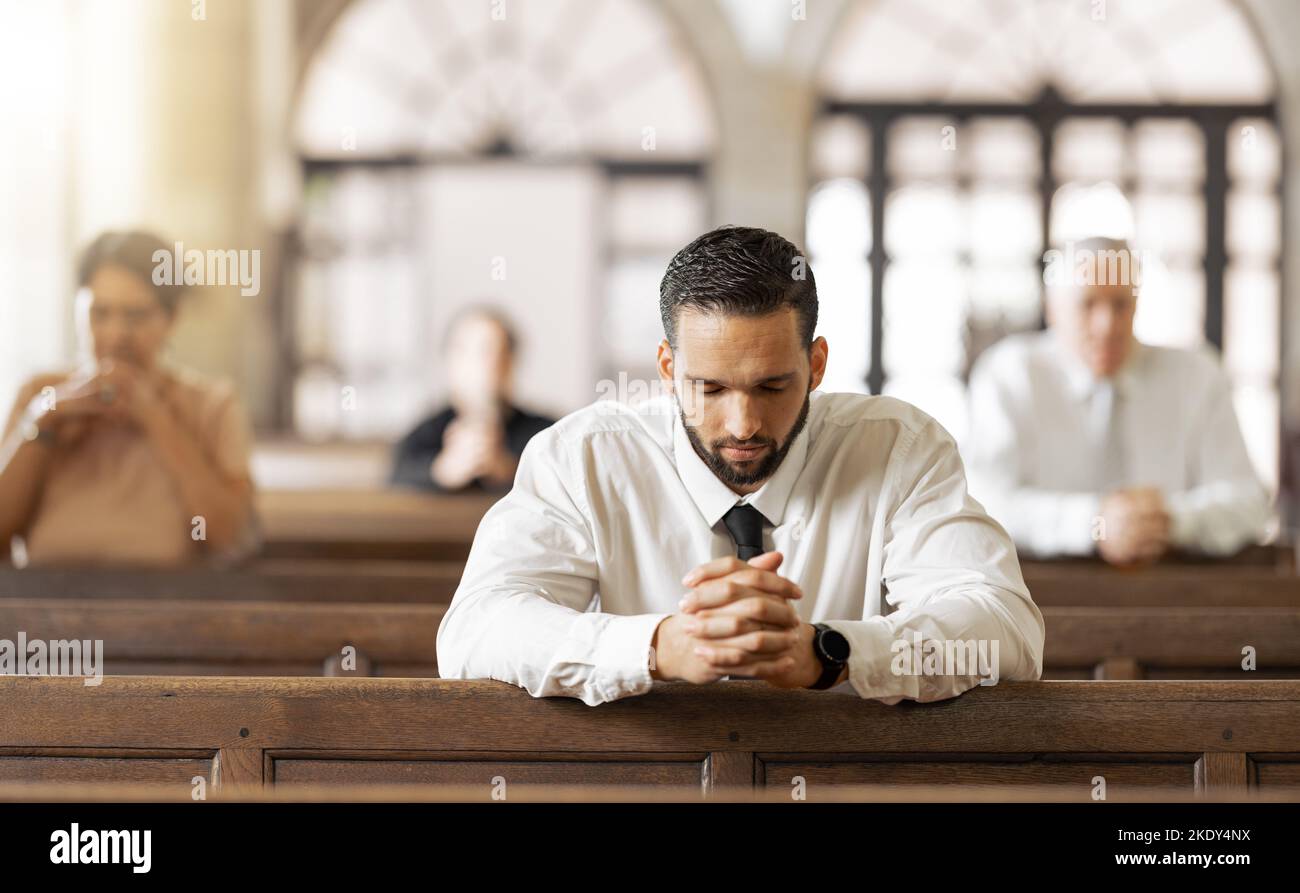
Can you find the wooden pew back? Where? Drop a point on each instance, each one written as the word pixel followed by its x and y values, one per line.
pixel 233 638
pixel 1171 643
pixel 368 524
pixel 291 621
pixel 289 581
pixel 1079 586
pixel 1204 736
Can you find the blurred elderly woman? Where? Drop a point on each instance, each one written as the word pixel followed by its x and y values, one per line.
pixel 126 459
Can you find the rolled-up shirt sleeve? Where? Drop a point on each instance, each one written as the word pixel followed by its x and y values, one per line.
pixel 953 579
pixel 520 614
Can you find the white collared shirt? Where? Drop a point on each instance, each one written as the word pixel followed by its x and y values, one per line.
pixel 1033 440
pixel 571 572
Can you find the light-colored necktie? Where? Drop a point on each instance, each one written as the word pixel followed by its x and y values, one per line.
pixel 1108 416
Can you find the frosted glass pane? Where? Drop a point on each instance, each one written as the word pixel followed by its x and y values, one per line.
pixel 839 220
pixel 1000 148
pixel 1139 50
pixel 1089 149
pixel 1004 226
pixel 1012 295
pixel 342 111
pixel 838 233
pixel 363 297
pixel 924 221
pixel 554 79
pixel 841 147
pixel 665 94
pixel 1181 69
pixel 844 320
pixel 923 148
pixel 655 212
pixel 364 209
pixel 1171 223
pixel 1250 324
pixel 1169 152
pixel 1171 305
pixel 312 314
pixel 1254 152
pixel 1080 211
pixel 1254 226
pixel 924 319
pixel 632 327
pixel 888 49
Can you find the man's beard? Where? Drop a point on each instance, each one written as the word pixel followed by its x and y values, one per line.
pixel 723 469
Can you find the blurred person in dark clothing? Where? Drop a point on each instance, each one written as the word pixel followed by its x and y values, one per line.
pixel 475 442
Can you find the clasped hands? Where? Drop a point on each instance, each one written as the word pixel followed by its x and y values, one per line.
pixel 473 449
pixel 737 619
pixel 113 392
pixel 1138 526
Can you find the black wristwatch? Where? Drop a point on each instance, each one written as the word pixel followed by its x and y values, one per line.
pixel 832 649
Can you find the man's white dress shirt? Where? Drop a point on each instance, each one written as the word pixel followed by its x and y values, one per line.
pixel 1042 454
pixel 574 569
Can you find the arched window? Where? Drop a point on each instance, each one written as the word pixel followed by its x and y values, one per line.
pixel 956 142
pixel 546 157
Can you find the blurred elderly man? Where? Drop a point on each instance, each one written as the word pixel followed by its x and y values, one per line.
pixel 1083 440
pixel 475 442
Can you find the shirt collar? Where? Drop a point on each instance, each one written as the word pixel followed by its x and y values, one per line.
pixel 714 498
pixel 1082 384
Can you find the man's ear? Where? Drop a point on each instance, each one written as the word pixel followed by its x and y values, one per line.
pixel 817 361
pixel 664 364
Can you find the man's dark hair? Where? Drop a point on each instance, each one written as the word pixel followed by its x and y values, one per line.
pixel 739 270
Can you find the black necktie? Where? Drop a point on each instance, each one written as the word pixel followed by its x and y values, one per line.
pixel 745 524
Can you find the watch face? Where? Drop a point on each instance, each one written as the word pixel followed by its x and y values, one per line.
pixel 834 645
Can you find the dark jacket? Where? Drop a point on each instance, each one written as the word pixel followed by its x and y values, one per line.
pixel 416 451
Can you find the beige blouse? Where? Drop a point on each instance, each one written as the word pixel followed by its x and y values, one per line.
pixel 109 499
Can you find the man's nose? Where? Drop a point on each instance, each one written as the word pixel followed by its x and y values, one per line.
pixel 1103 322
pixel 743 420
pixel 112 334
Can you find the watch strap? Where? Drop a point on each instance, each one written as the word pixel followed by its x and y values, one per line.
pixel 831 669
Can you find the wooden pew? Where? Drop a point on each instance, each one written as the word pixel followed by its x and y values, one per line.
pixel 368 524
pixel 1169 620
pixel 405 525
pixel 54 792
pixel 189 636
pixel 1170 643
pixel 429 581
pixel 1279 558
pixel 178 632
pixel 287 618
pixel 1208 737
pixel 269 581
pixel 1056 586
pixel 1259 576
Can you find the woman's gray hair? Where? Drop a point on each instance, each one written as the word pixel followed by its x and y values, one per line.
pixel 134 251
